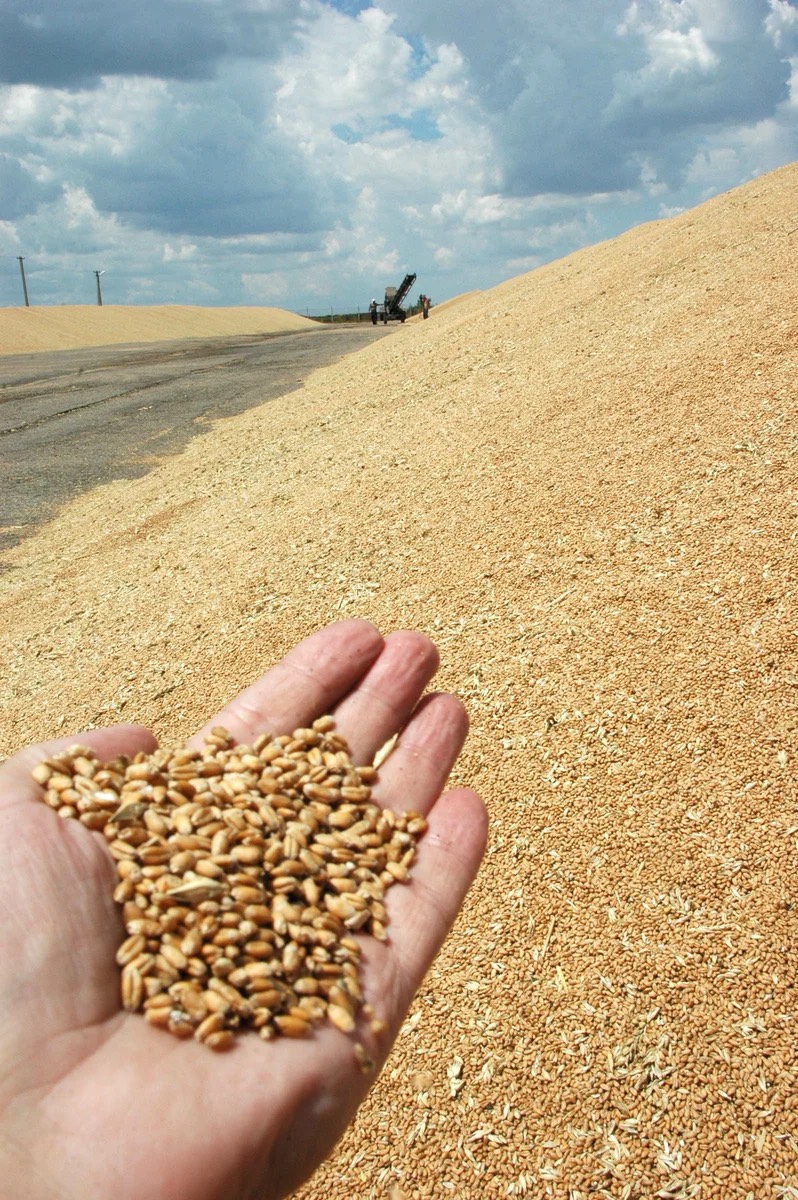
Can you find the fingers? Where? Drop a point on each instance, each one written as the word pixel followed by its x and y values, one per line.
pixel 371 684
pixel 448 858
pixel 422 911
pixel 415 773
pixel 373 687
pixel 387 694
pixel 308 682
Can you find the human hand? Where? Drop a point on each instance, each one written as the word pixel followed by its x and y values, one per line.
pixel 94 1102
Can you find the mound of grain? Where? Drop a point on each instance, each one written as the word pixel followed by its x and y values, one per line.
pixel 70 326
pixel 582 484
pixel 446 304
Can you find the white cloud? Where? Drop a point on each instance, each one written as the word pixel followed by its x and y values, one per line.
pixel 9 238
pixel 782 25
pixel 179 253
pixel 270 288
pixel 339 70
pixel 673 52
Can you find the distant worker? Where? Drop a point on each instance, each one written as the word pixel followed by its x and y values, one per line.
pixel 373 311
pixel 425 303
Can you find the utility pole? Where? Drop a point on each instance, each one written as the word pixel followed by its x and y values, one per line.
pixel 97 275
pixel 24 284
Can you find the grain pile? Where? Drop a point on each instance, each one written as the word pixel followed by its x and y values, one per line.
pixel 582 484
pixel 66 327
pixel 447 304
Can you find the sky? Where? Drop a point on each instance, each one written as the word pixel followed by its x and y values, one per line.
pixel 305 154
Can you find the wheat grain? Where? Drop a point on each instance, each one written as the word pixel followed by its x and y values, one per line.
pixel 242 873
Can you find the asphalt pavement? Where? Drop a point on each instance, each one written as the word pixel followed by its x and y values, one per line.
pixel 74 419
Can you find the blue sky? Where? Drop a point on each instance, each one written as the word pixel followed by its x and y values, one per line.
pixel 305 154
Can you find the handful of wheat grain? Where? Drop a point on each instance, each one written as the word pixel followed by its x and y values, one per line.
pixel 244 872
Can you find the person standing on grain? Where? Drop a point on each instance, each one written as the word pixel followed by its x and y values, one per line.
pixel 96 1103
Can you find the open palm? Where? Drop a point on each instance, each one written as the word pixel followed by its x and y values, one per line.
pixel 94 1102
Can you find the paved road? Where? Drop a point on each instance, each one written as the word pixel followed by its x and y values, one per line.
pixel 73 419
